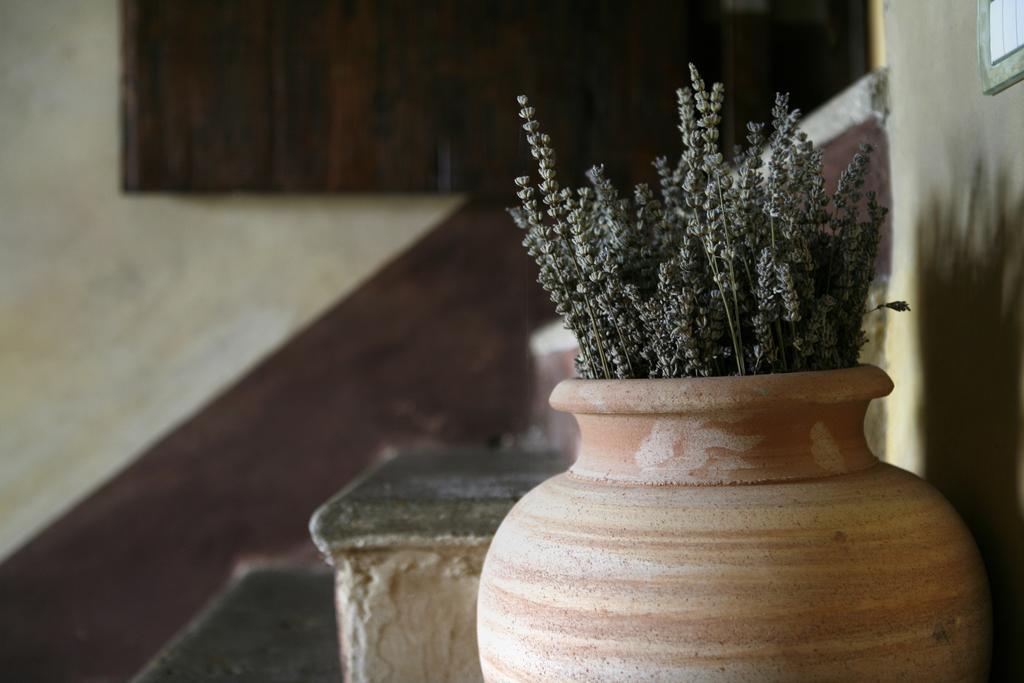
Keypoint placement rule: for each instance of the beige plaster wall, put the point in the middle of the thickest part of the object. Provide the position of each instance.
(958, 182)
(120, 316)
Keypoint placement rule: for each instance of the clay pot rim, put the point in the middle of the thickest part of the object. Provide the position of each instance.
(702, 394)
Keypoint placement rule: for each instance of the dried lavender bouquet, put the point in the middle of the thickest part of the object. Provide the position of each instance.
(729, 269)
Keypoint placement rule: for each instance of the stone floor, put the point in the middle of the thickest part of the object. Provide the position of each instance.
(270, 626)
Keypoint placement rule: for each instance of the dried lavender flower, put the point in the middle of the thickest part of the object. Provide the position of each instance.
(743, 268)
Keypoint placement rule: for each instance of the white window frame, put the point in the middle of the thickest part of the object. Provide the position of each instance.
(1009, 68)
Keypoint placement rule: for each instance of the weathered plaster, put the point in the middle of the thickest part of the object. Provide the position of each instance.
(120, 316)
(941, 130)
(409, 614)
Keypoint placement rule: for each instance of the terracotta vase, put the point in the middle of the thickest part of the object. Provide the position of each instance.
(733, 528)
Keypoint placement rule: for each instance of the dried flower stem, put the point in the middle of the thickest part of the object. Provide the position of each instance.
(734, 269)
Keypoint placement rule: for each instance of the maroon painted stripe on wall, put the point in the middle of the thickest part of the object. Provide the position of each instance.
(433, 349)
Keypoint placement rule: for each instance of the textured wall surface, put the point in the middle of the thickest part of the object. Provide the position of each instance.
(119, 317)
(409, 614)
(958, 172)
(942, 129)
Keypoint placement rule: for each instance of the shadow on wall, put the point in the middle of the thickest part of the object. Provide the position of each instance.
(972, 290)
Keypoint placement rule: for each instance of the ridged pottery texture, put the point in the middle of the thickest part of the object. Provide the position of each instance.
(732, 529)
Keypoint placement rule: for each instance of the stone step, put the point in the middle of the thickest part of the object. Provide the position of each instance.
(407, 542)
(270, 625)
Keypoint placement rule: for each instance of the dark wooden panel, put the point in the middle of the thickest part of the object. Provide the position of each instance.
(196, 95)
(328, 95)
(398, 95)
(747, 72)
(810, 49)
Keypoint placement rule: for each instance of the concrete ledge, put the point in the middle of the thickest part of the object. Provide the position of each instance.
(429, 497)
(865, 99)
(407, 542)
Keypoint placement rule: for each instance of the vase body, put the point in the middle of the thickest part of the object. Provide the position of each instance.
(732, 529)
